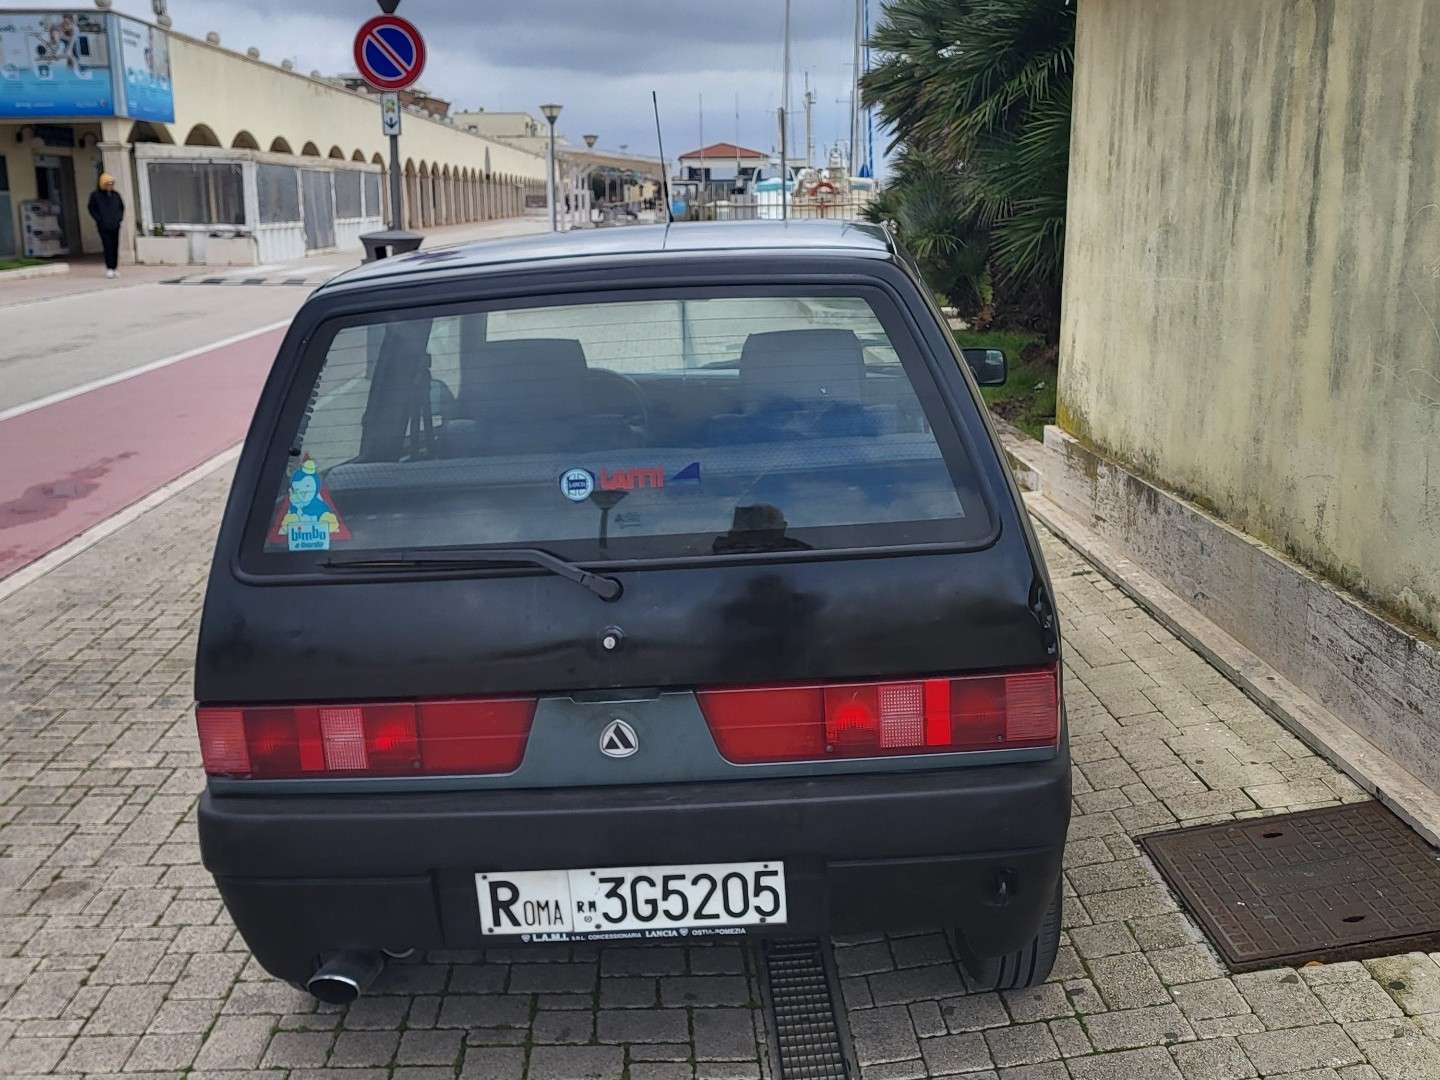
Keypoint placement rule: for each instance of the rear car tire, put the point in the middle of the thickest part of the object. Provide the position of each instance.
(1026, 966)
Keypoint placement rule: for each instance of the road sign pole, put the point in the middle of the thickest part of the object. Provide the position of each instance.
(390, 127)
(396, 203)
(390, 54)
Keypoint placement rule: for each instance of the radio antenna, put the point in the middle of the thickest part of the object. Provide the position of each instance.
(664, 165)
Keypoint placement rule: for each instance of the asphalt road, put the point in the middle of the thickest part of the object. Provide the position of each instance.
(57, 343)
(109, 390)
(69, 330)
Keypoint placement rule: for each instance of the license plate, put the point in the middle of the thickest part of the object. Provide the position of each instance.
(700, 898)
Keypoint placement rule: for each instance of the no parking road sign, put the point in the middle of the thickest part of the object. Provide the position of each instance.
(389, 52)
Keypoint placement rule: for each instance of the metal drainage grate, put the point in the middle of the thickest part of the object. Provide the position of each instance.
(1341, 883)
(245, 281)
(806, 1033)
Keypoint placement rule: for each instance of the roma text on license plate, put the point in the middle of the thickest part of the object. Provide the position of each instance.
(632, 898)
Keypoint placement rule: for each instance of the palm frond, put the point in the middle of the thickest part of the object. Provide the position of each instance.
(977, 95)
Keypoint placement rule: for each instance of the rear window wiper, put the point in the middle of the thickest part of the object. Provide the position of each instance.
(607, 588)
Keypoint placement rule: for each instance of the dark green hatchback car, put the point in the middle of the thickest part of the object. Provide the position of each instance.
(634, 584)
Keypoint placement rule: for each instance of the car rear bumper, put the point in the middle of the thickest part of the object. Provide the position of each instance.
(977, 849)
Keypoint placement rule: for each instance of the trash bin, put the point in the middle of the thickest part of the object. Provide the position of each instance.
(381, 245)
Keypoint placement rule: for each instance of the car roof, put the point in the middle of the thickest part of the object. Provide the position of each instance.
(697, 239)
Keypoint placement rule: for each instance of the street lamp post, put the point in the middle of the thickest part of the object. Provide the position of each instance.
(552, 113)
(586, 185)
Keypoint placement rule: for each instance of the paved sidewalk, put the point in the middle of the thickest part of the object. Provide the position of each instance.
(116, 956)
(1159, 738)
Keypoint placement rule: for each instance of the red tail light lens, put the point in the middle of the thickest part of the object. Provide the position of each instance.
(856, 720)
(430, 738)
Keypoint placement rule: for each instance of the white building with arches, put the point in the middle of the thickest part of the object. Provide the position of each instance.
(221, 156)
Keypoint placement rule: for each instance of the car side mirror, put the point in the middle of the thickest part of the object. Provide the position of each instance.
(990, 366)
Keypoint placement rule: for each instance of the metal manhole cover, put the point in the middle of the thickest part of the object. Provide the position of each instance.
(1342, 883)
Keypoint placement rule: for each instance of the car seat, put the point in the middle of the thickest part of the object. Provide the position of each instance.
(800, 384)
(527, 396)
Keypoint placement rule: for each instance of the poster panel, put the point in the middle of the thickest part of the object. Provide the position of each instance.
(145, 58)
(55, 63)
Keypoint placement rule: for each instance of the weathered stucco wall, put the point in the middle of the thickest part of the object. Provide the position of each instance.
(1252, 291)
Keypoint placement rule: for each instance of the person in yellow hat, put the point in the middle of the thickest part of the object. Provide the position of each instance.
(108, 209)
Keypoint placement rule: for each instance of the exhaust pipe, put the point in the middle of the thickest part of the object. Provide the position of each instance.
(345, 975)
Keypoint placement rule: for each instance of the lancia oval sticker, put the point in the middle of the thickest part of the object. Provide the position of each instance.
(577, 485)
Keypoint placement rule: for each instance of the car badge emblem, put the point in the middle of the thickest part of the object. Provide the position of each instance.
(577, 485)
(619, 740)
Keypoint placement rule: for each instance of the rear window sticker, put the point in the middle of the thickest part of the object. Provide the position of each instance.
(631, 479)
(688, 478)
(309, 522)
(577, 485)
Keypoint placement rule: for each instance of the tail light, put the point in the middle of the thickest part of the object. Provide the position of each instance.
(424, 739)
(859, 720)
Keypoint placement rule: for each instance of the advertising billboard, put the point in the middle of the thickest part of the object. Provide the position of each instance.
(55, 63)
(145, 59)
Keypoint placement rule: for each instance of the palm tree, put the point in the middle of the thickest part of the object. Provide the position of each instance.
(977, 93)
(927, 201)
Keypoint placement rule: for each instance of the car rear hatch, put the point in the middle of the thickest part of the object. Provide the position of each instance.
(696, 532)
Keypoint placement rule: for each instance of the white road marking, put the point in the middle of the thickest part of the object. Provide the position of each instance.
(250, 271)
(154, 365)
(92, 536)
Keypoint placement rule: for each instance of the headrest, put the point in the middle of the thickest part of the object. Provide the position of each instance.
(534, 376)
(808, 366)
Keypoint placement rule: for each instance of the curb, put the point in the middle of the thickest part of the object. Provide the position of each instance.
(47, 270)
(1375, 771)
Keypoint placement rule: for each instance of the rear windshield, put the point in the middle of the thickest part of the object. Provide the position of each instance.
(670, 428)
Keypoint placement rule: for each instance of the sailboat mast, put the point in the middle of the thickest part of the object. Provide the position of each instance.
(785, 120)
(855, 136)
(737, 140)
(867, 117)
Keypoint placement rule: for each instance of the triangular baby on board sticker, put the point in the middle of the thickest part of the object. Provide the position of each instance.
(307, 519)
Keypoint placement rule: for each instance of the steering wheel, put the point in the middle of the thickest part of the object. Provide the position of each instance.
(611, 392)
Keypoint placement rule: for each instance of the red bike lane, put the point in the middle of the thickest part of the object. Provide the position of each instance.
(69, 466)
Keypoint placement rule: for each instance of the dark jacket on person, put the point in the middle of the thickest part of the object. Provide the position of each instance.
(107, 208)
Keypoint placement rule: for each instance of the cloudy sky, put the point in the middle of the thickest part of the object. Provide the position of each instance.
(601, 64)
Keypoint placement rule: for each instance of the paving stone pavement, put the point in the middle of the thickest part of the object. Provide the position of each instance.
(117, 958)
(1159, 739)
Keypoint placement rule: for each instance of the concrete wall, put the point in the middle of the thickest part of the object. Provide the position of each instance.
(1351, 683)
(1252, 294)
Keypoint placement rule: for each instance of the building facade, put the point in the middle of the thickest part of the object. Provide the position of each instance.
(734, 165)
(221, 157)
(503, 125)
(587, 179)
